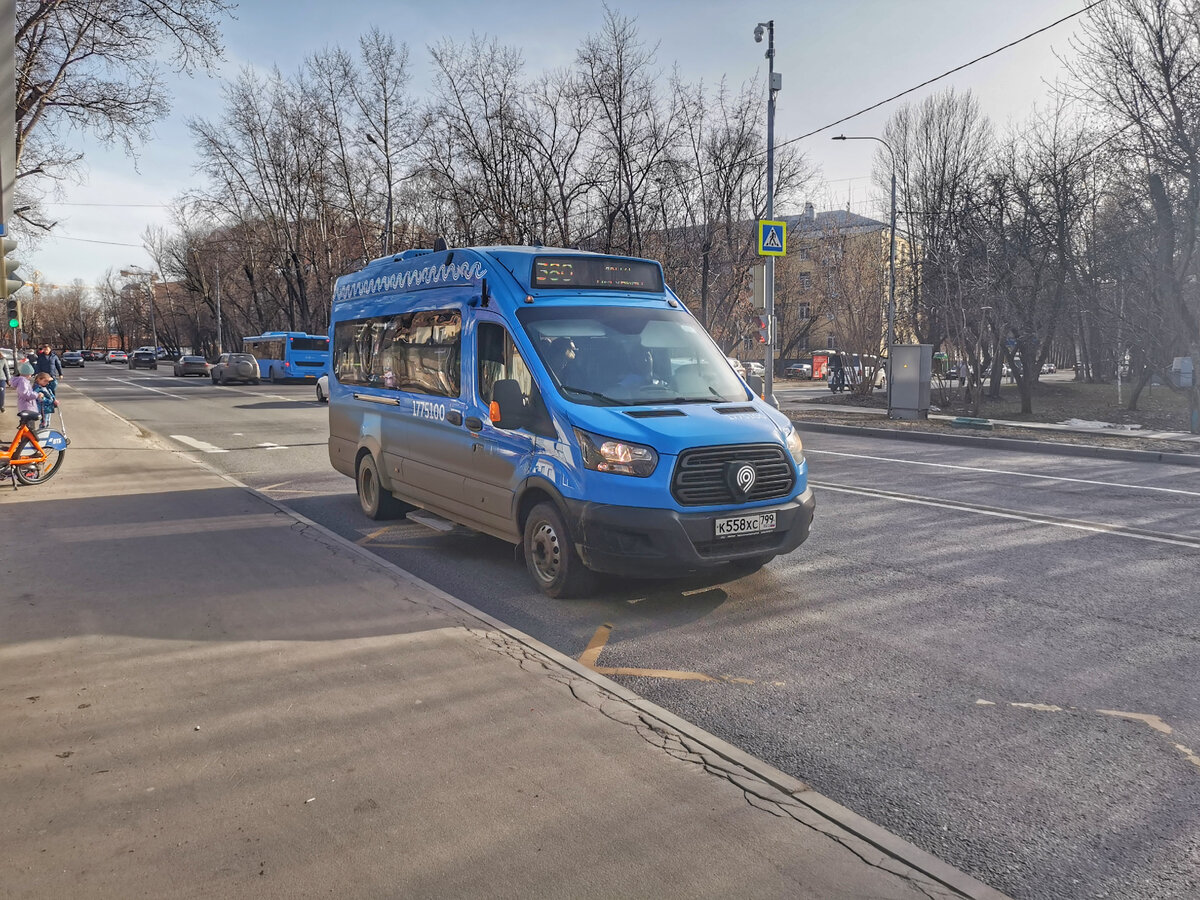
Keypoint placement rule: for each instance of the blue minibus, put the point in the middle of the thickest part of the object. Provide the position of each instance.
(564, 401)
(284, 355)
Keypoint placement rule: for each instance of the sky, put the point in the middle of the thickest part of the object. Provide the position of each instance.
(836, 57)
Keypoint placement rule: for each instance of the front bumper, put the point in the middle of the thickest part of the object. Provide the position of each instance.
(629, 540)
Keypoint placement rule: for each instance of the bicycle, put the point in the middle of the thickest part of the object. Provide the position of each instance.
(32, 457)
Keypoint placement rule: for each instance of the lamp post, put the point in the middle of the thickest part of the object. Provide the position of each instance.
(891, 310)
(137, 270)
(774, 83)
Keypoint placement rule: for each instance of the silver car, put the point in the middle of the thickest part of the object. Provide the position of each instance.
(192, 365)
(235, 367)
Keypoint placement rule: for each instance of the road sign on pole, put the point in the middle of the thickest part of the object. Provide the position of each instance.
(772, 238)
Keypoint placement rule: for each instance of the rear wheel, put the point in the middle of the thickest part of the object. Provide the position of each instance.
(275, 379)
(38, 473)
(550, 554)
(320, 393)
(376, 501)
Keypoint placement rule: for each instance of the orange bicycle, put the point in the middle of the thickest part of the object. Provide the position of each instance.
(33, 457)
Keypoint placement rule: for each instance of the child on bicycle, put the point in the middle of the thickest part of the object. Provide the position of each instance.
(47, 402)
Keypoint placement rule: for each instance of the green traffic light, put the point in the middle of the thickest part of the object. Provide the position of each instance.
(14, 323)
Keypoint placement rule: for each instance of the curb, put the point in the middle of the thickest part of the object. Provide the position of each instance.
(1002, 443)
(847, 820)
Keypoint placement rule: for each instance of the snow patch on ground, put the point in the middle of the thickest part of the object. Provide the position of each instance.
(1084, 423)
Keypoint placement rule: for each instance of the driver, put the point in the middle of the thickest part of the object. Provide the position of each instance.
(641, 369)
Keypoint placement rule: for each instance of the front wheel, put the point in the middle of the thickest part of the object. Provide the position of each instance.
(39, 473)
(550, 554)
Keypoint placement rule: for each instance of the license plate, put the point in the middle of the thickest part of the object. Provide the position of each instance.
(739, 525)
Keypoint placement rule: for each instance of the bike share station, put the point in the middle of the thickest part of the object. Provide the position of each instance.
(910, 369)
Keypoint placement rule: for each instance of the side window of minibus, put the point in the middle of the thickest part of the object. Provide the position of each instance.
(500, 360)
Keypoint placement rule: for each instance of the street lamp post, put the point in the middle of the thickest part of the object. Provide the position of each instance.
(774, 83)
(137, 270)
(891, 310)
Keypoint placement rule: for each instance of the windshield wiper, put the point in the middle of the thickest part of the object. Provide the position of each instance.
(607, 399)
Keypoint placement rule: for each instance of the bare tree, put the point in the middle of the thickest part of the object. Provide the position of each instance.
(1139, 65)
(93, 66)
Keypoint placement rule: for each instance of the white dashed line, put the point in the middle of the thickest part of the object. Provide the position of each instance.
(199, 445)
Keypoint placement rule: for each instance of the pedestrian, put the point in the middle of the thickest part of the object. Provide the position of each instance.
(5, 375)
(962, 373)
(27, 399)
(837, 374)
(47, 402)
(48, 362)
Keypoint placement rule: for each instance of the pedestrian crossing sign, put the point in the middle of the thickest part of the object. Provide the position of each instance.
(772, 238)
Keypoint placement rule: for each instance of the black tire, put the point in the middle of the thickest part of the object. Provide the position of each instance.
(275, 379)
(376, 502)
(550, 554)
(321, 398)
(42, 472)
(254, 381)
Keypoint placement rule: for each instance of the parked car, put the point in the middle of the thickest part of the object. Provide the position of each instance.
(323, 389)
(115, 356)
(753, 367)
(799, 370)
(192, 365)
(72, 358)
(93, 355)
(736, 366)
(235, 367)
(143, 359)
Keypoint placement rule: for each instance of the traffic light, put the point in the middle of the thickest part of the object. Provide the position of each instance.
(11, 284)
(764, 329)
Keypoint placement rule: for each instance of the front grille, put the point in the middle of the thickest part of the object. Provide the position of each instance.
(699, 478)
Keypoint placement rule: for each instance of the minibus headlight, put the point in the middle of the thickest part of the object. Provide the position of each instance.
(602, 454)
(795, 447)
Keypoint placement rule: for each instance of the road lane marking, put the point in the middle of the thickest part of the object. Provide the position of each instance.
(146, 387)
(591, 657)
(1153, 721)
(198, 445)
(985, 471)
(1035, 518)
(267, 445)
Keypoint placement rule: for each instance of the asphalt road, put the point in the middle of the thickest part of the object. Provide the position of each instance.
(993, 655)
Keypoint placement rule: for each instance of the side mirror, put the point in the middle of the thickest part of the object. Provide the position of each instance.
(508, 408)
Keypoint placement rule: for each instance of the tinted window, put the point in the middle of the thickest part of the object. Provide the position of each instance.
(418, 352)
(310, 343)
(241, 357)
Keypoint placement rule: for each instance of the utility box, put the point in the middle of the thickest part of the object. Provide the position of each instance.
(910, 371)
(1181, 371)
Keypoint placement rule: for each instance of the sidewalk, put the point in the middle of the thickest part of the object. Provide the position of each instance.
(207, 695)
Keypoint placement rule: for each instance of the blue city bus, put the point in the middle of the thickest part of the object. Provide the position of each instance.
(285, 355)
(563, 401)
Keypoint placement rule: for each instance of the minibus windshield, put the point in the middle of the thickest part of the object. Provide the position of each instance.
(630, 356)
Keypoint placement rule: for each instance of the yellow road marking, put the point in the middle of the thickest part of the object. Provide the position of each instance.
(366, 539)
(591, 657)
(1153, 721)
